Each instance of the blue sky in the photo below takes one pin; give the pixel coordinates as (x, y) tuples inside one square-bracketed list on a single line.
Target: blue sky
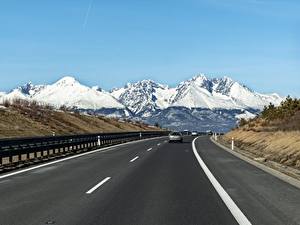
[(110, 43)]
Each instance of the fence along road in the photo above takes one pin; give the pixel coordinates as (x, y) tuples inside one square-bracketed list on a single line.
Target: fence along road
[(18, 152)]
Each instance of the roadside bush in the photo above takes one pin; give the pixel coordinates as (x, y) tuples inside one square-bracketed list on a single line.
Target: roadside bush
[(242, 122), (6, 103)]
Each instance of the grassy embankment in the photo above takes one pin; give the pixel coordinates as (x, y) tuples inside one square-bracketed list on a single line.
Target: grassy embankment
[(274, 135), (22, 119)]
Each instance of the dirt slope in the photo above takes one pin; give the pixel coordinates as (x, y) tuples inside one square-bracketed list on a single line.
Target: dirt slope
[(22, 121)]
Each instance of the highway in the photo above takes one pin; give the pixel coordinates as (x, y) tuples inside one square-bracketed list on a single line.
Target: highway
[(149, 182)]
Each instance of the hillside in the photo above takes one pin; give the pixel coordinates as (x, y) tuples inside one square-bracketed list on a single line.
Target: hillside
[(273, 136), (22, 118)]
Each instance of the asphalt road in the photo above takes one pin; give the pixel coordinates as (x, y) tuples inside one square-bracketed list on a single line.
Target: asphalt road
[(150, 182)]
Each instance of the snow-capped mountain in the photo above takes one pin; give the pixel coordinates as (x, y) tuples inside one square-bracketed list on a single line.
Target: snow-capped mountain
[(2, 94), (29, 89), (219, 93), (144, 97), (67, 91), (147, 96), (203, 102), (22, 92)]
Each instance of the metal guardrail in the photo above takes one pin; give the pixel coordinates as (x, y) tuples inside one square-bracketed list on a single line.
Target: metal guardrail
[(25, 150)]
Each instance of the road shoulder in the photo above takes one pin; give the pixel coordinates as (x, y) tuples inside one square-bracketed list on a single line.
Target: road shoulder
[(284, 177)]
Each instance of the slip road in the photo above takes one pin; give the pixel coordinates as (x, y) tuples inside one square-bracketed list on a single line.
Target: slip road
[(149, 182)]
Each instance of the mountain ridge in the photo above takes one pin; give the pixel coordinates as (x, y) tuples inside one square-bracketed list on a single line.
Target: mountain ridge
[(146, 99)]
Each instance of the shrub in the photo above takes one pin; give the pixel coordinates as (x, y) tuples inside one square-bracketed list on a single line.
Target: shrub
[(242, 122), (6, 103)]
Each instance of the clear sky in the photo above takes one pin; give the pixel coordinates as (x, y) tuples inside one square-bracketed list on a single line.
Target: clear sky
[(110, 43)]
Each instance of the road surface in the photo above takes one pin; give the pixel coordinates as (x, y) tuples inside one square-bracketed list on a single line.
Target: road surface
[(149, 182)]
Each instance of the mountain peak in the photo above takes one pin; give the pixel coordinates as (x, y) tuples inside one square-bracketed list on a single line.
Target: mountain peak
[(228, 79), (146, 82), (26, 88), (200, 81), (67, 81), (29, 89), (199, 77)]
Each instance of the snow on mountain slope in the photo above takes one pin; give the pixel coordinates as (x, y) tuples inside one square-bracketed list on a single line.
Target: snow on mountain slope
[(29, 89), (144, 97), (246, 115), (201, 92), (198, 93), (14, 94), (68, 91), (23, 92), (247, 98), (2, 96)]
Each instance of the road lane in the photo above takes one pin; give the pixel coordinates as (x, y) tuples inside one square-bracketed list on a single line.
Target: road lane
[(167, 188), (264, 198), (231, 205)]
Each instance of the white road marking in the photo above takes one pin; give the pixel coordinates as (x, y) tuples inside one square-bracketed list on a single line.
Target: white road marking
[(233, 208), (98, 185), (149, 149), (106, 149), (158, 144), (135, 158)]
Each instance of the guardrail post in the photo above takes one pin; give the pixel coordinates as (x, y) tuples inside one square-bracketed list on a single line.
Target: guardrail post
[(232, 143)]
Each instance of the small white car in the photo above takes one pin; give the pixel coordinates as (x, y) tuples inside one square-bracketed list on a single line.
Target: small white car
[(194, 133), (175, 137)]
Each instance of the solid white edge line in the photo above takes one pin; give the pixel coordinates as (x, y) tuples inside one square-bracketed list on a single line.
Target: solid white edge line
[(135, 158), (98, 185), (72, 157), (149, 149), (158, 144), (233, 208)]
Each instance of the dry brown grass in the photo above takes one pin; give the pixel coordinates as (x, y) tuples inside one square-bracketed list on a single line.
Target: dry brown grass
[(20, 120), (279, 146), (273, 135)]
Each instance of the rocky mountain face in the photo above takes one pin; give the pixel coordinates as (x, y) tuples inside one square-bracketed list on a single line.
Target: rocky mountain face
[(199, 103), (144, 97)]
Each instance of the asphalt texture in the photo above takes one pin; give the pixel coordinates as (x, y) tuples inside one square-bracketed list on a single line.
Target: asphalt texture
[(164, 185)]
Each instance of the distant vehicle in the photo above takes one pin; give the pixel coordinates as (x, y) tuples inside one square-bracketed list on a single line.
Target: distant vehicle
[(186, 132), (194, 133), (209, 132), (175, 137)]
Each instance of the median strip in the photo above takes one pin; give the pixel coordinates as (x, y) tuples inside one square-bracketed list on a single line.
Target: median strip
[(98, 185), (135, 158)]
